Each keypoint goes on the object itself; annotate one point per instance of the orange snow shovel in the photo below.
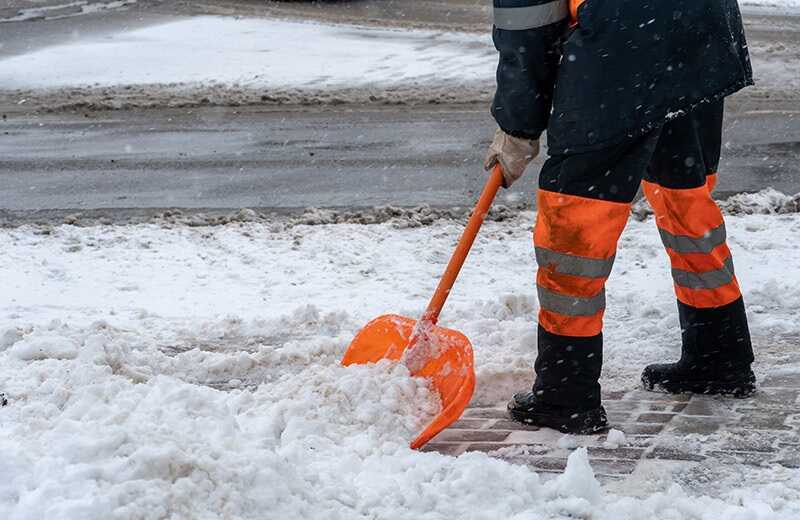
(442, 355)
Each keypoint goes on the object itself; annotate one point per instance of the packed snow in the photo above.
(164, 371)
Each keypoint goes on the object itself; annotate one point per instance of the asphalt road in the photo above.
(281, 159)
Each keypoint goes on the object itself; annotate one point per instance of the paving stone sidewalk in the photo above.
(659, 428)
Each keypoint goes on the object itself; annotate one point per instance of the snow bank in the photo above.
(186, 372)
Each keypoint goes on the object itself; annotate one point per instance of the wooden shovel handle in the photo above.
(464, 244)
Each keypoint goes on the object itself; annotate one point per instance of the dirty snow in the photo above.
(160, 371)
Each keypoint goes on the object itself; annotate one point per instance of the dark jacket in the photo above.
(624, 69)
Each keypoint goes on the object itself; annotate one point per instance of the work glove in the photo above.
(512, 153)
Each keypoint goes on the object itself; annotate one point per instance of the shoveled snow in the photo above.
(44, 347)
(174, 372)
(578, 480)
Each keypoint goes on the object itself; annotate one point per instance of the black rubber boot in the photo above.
(566, 394)
(715, 357)
(526, 408)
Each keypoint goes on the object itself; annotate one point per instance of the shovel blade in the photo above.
(449, 365)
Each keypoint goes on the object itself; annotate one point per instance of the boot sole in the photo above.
(583, 423)
(738, 389)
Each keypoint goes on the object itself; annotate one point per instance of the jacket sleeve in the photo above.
(527, 35)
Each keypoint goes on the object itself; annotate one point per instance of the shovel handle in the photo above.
(464, 245)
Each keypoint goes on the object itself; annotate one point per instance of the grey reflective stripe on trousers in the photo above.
(707, 280)
(571, 305)
(687, 244)
(530, 17)
(573, 264)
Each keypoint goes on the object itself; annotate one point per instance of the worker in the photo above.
(630, 93)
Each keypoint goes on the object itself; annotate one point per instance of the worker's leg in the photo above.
(583, 204)
(717, 352)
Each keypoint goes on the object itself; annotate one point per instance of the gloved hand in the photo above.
(513, 154)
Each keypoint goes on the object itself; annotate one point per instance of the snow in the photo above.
(44, 347)
(567, 442)
(578, 479)
(164, 371)
(342, 276)
(225, 60)
(615, 439)
(789, 6)
(67, 10)
(256, 53)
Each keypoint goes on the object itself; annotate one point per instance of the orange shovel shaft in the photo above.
(464, 245)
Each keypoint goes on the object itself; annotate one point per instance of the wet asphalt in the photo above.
(223, 157)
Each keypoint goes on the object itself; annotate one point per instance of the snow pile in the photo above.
(193, 372)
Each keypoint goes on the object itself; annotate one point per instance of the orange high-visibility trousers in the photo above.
(583, 205)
